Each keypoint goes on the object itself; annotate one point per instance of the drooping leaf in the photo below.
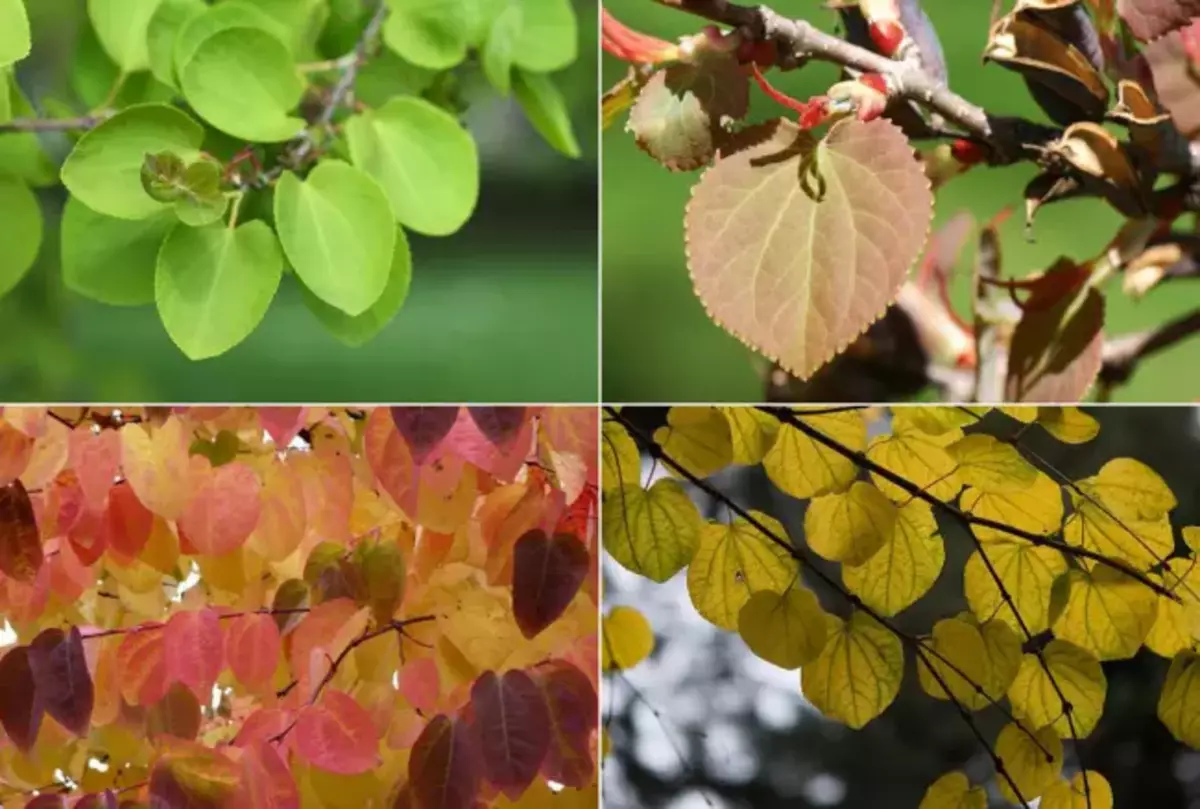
(857, 674)
(990, 465)
(176, 714)
(546, 109)
(1027, 572)
(803, 468)
(512, 723)
(1107, 613)
(337, 231)
(14, 41)
(266, 780)
(108, 259)
(652, 532)
(1074, 794)
(1034, 692)
(570, 698)
(1056, 351)
(64, 685)
(426, 162)
(252, 647)
(850, 526)
(337, 734)
(20, 703)
(735, 562)
(20, 543)
(1026, 762)
(444, 768)
(953, 791)
(698, 438)
(498, 424)
(905, 568)
(423, 427)
(547, 573)
(121, 27)
(1179, 692)
(22, 229)
(781, 290)
(1150, 19)
(430, 33)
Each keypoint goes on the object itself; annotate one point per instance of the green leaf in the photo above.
(355, 331)
(301, 20)
(426, 162)
(169, 19)
(6, 100)
(14, 32)
(549, 36)
(94, 75)
(218, 18)
(20, 231)
(21, 153)
(387, 75)
(121, 26)
(162, 176)
(428, 33)
(111, 260)
(546, 110)
(858, 207)
(499, 49)
(202, 201)
(338, 234)
(243, 81)
(104, 169)
(213, 285)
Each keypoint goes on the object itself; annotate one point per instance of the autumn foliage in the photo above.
(1063, 575)
(298, 607)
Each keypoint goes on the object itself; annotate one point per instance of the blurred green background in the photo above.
(659, 346)
(503, 311)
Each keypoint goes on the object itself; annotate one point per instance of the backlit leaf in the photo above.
(571, 699)
(858, 672)
(1107, 613)
(1131, 490)
(1077, 673)
(1176, 703)
(57, 664)
(1027, 573)
(850, 526)
(22, 229)
(953, 791)
(252, 647)
(734, 562)
(547, 573)
(513, 727)
(776, 288)
(652, 532)
(919, 457)
(620, 458)
(787, 629)
(906, 566)
(698, 438)
(802, 467)
(1068, 424)
(444, 768)
(156, 466)
(1037, 509)
(192, 650)
(20, 703)
(223, 509)
(628, 639)
(337, 735)
(1074, 794)
(752, 433)
(20, 544)
(991, 466)
(1026, 761)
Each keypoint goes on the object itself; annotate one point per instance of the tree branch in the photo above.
(54, 124)
(1122, 355)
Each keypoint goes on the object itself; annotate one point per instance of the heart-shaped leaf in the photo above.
(423, 427)
(795, 274)
(429, 33)
(64, 685)
(213, 285)
(547, 573)
(108, 259)
(21, 229)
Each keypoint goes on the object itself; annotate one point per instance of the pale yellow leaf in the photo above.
(753, 433)
(905, 568)
(953, 791)
(989, 465)
(858, 673)
(1025, 761)
(652, 532)
(802, 467)
(1107, 613)
(627, 638)
(697, 438)
(850, 526)
(1037, 509)
(735, 561)
(1073, 794)
(1026, 571)
(1069, 425)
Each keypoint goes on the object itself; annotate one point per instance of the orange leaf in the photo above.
(223, 510)
(20, 545)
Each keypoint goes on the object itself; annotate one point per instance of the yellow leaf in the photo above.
(732, 563)
(1107, 613)
(1026, 571)
(697, 438)
(988, 654)
(934, 420)
(753, 433)
(919, 458)
(905, 568)
(628, 639)
(621, 461)
(1077, 672)
(444, 509)
(990, 465)
(953, 791)
(850, 526)
(1191, 535)
(161, 550)
(1069, 425)
(1179, 702)
(1131, 490)
(157, 467)
(1176, 623)
(803, 468)
(1037, 509)
(1025, 761)
(652, 532)
(787, 629)
(1142, 543)
(1026, 414)
(1073, 795)
(858, 673)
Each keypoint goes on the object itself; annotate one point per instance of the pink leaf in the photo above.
(512, 725)
(223, 510)
(282, 423)
(337, 735)
(192, 651)
(252, 646)
(419, 683)
(95, 457)
(266, 781)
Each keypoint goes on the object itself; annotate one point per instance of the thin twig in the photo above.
(84, 122)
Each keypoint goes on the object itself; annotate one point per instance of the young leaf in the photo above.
(549, 36)
(547, 573)
(108, 259)
(212, 82)
(218, 18)
(104, 169)
(444, 767)
(121, 26)
(20, 702)
(168, 20)
(20, 544)
(512, 723)
(781, 290)
(213, 285)
(21, 229)
(64, 685)
(337, 232)
(337, 735)
(424, 159)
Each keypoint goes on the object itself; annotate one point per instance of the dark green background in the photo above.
(505, 310)
(659, 346)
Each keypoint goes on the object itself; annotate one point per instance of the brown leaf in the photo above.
(795, 274)
(1103, 165)
(1070, 21)
(20, 544)
(1176, 79)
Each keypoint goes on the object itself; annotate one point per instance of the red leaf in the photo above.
(89, 537)
(261, 726)
(20, 703)
(337, 735)
(142, 666)
(498, 424)
(129, 521)
(192, 651)
(573, 704)
(58, 666)
(282, 423)
(267, 782)
(512, 724)
(423, 427)
(222, 513)
(47, 801)
(391, 459)
(420, 685)
(20, 544)
(503, 460)
(95, 457)
(580, 517)
(547, 573)
(443, 768)
(252, 647)
(176, 714)
(99, 800)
